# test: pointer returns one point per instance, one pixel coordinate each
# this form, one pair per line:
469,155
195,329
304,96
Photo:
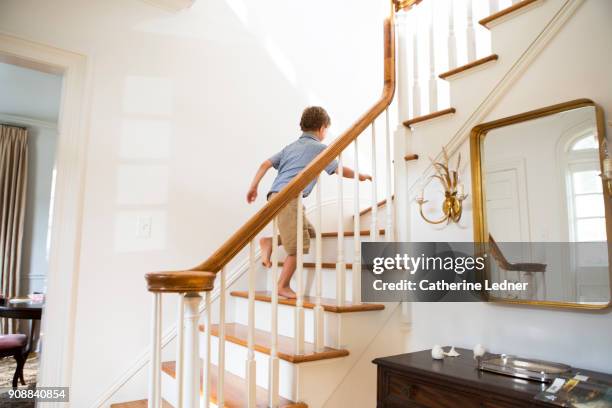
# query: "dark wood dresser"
417,380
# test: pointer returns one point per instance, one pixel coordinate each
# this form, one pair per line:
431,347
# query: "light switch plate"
143,225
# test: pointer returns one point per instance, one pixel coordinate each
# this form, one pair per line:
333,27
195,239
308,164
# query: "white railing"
436,36
194,367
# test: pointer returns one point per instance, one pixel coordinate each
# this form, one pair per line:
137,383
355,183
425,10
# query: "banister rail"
189,284
405,4
263,217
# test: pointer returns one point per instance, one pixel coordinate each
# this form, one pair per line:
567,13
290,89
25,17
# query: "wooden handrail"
405,4
263,217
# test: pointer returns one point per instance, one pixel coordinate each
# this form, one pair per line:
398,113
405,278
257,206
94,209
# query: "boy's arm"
349,173
263,168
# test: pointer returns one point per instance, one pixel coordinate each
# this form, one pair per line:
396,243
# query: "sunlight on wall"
240,9
145,139
142,184
142,172
148,95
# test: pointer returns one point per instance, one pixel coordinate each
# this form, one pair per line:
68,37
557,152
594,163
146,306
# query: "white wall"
184,108
574,65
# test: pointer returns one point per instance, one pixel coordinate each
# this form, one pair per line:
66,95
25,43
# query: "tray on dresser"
530,369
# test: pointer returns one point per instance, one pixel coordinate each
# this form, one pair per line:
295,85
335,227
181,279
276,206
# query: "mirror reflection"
544,208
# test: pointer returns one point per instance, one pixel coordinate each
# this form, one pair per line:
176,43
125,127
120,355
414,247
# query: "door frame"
59,315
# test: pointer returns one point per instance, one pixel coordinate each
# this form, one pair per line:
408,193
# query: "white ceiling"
29,93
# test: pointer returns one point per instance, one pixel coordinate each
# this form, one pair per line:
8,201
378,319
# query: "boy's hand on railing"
251,195
364,177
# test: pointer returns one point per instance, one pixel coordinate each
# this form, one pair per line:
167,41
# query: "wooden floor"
238,334
233,390
329,305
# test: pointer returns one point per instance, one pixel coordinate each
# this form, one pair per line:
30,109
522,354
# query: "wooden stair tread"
505,12
139,404
466,67
410,157
238,333
324,265
429,116
234,390
379,204
329,305
363,233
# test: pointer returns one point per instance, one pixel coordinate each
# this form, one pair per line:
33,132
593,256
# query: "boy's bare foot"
286,292
266,251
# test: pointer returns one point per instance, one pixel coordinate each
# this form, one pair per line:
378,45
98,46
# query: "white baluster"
191,396
318,309
205,401
416,88
452,40
155,368
250,363
470,34
180,349
493,6
340,265
433,80
299,304
221,338
403,60
273,381
374,212
389,232
356,288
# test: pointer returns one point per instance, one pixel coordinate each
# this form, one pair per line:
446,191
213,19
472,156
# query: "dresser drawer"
402,390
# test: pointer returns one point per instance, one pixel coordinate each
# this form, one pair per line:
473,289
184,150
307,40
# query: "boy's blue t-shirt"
294,158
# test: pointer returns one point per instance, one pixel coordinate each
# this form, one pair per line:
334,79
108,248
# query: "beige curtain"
13,183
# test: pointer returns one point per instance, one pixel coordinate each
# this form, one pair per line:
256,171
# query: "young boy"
289,162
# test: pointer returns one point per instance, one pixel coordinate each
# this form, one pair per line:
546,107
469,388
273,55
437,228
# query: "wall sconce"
453,191
606,175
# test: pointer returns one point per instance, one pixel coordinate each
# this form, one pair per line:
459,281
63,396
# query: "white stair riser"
529,20
330,249
328,285
236,356
286,320
168,389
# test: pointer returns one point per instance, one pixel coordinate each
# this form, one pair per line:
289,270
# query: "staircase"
240,345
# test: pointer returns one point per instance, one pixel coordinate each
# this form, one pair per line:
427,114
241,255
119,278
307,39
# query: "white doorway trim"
60,308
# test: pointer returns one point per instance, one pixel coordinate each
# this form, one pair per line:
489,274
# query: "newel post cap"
180,282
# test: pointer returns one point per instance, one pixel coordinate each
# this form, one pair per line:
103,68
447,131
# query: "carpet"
7,370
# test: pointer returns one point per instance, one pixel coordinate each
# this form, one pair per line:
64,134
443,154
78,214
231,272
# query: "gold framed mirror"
542,210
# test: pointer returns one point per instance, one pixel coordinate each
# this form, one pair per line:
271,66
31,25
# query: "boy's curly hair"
314,118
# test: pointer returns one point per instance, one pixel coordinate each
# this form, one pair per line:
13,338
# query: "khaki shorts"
287,228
